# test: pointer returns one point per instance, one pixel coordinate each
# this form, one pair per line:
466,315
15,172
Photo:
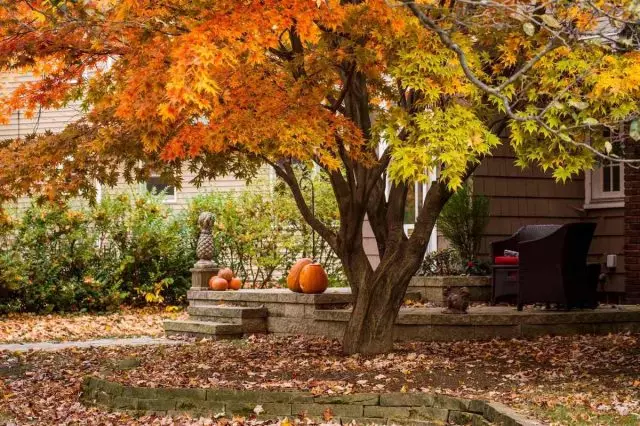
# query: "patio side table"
505,282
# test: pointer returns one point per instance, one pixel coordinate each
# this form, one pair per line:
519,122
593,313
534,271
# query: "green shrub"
463,221
142,249
132,249
260,235
126,249
441,262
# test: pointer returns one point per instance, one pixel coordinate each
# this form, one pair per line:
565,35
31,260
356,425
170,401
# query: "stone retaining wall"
386,408
432,288
486,323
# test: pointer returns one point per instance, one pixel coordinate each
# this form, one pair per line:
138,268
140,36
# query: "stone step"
203,329
233,314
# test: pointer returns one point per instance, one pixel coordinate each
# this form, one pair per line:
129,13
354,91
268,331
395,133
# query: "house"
56,120
609,196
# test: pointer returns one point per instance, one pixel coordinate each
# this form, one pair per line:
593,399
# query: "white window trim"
602,201
168,199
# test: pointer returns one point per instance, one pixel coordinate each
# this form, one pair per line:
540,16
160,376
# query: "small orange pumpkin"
218,284
293,279
226,273
313,279
235,283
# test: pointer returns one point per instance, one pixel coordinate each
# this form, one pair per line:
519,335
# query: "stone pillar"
204,268
632,227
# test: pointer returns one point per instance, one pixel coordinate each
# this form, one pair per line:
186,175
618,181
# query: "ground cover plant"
581,380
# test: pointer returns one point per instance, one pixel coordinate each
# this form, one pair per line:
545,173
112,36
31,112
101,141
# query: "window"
157,185
604,185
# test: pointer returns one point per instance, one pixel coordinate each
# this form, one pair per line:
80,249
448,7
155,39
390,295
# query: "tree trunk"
377,302
378,295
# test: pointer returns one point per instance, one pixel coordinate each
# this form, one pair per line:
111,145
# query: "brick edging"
392,408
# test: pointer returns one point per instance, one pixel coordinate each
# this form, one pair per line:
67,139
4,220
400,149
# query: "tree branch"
287,174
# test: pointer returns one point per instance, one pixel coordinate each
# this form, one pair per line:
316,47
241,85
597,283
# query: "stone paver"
54,346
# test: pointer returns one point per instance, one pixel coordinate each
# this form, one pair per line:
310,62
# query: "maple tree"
370,91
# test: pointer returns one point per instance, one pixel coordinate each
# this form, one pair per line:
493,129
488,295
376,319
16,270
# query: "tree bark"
380,293
380,296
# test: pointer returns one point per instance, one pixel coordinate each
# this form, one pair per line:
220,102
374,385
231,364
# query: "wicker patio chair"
552,265
505,275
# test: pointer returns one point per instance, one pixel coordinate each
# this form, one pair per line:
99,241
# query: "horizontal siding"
370,244
609,239
521,197
528,196
53,120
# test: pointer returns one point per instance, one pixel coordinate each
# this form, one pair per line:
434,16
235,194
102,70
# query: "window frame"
168,198
594,195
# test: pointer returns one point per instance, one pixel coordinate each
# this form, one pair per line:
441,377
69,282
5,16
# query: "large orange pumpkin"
218,284
226,273
313,279
293,279
235,283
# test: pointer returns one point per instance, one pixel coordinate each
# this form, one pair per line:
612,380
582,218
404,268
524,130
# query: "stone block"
142,393
361,421
360,399
480,421
254,325
488,332
399,399
451,333
387,412
156,404
413,422
275,309
460,418
531,330
200,277
429,413
181,393
246,408
476,406
230,395
294,310
102,398
121,402
341,315
451,403
111,388
338,410
193,405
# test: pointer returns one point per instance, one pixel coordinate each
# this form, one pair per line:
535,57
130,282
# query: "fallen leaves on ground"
566,380
20,328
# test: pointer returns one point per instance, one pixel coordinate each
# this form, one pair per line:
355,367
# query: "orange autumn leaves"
173,81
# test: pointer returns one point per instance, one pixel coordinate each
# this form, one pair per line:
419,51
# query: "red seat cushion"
506,260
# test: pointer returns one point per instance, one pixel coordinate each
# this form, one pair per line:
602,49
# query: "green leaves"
453,138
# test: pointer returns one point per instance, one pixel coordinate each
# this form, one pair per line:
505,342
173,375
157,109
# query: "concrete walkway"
54,346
